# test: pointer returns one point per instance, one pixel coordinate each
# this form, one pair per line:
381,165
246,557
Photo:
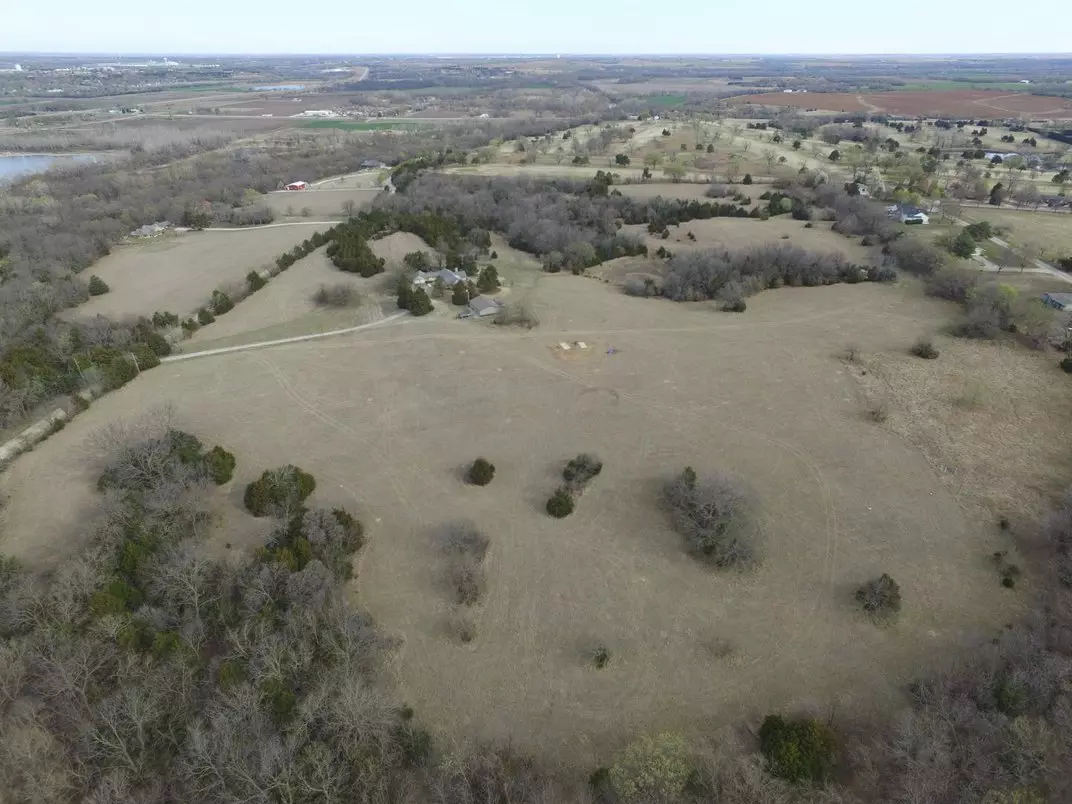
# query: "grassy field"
179,272
386,419
321,204
1049,230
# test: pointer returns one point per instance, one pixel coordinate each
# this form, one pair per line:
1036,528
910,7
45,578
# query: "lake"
12,167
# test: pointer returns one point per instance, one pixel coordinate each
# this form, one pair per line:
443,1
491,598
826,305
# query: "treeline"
731,275
559,220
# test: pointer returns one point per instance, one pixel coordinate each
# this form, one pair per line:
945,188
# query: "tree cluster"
731,275
143,670
279,492
713,516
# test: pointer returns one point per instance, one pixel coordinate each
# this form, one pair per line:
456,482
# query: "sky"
525,26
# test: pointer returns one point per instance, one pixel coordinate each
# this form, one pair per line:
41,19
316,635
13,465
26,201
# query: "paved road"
280,341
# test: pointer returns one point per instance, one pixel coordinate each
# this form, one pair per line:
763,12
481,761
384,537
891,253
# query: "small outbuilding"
296,185
483,306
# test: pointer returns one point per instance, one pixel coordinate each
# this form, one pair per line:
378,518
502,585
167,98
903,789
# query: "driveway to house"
280,341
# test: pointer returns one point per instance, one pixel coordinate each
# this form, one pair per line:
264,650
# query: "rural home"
908,214
425,279
483,306
296,185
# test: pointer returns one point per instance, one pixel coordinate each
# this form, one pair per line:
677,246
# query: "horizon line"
538,54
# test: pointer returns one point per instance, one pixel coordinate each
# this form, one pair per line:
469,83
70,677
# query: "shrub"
205,316
560,504
337,296
255,281
97,286
952,283
163,320
654,768
600,657
465,547
747,178
1066,365
735,306
145,358
417,302
963,245
712,516
118,372
279,491
488,280
878,411
880,597
221,302
924,348
481,472
580,470
916,257
797,750
220,465
517,314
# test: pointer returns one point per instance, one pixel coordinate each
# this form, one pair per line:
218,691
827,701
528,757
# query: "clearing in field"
387,419
179,272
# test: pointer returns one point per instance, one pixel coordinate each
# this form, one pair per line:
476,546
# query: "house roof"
909,210
479,304
448,276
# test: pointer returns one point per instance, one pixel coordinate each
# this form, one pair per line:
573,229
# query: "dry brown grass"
396,246
321,204
284,307
990,418
734,233
179,272
385,418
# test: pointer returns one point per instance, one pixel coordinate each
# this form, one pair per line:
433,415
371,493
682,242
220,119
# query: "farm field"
386,418
179,272
963,103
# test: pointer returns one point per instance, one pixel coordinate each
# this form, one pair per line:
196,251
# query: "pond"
17,165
